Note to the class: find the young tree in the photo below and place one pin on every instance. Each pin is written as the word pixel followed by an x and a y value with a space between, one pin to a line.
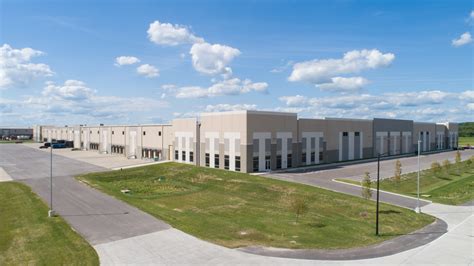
pixel 398 171
pixel 299 206
pixel 457 159
pixel 366 185
pixel 435 168
pixel 446 164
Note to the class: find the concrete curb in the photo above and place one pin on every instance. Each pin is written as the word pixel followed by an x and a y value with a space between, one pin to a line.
pixel 384 191
pixel 139 165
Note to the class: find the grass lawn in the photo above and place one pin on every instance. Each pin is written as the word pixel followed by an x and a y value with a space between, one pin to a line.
pixel 13 141
pixel 452 186
pixel 236 209
pixel 464 141
pixel 29 237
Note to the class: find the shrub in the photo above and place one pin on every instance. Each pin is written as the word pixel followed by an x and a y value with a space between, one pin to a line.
pixel 435 168
pixel 446 164
pixel 457 159
pixel 366 184
pixel 398 171
pixel 299 206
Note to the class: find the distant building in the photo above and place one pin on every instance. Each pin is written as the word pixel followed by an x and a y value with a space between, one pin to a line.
pixel 257 141
pixel 16 133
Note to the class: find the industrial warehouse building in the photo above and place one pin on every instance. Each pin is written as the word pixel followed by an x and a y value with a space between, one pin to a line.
pixel 257 141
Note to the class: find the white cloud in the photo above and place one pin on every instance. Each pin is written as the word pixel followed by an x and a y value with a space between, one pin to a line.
pixel 464 39
pixel 212 58
pixel 294 101
pixel 232 86
pixel 229 107
pixel 71 90
pixel 126 60
pixel 16 68
pixel 171 35
pixel 326 73
pixel 470 106
pixel 467 95
pixel 342 84
pixel 148 71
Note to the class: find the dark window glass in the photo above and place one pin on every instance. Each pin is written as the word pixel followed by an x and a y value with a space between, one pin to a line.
pixel 97 131
pixel 207 159
pixel 176 155
pixel 345 134
pixel 159 133
pixel 278 162
pixel 357 134
pixel 216 160
pixel 183 155
pixel 289 162
pixel 237 163
pixel 191 156
pixel 255 164
pixel 321 156
pixel 144 133
pixel 303 157
pixel 313 157
pixel 226 162
pixel 123 132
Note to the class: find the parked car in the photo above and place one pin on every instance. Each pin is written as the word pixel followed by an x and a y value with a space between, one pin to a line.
pixel 45 145
pixel 59 145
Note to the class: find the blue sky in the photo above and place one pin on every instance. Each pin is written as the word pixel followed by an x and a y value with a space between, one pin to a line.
pixel 362 59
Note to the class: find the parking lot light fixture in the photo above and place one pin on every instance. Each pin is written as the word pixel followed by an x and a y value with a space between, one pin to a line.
pixel 51 211
pixel 418 208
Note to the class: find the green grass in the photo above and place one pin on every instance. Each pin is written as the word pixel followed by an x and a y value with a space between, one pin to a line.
pixel 454 186
pixel 13 141
pixel 29 237
pixel 236 209
pixel 464 141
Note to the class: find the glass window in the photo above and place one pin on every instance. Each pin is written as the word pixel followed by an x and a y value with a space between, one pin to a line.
pixel 357 134
pixel 255 163
pixel 216 160
pixel 303 157
pixel 313 157
pixel 123 132
pixel 183 155
pixel 191 156
pixel 159 133
pixel 278 162
pixel 176 155
pixel 207 159
pixel 112 132
pixel 321 156
pixel 289 162
pixel 345 134
pixel 256 146
pixel 144 133
pixel 237 163
pixel 226 162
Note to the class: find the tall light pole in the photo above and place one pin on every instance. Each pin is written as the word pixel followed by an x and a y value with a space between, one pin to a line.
pixel 418 209
pixel 378 187
pixel 51 211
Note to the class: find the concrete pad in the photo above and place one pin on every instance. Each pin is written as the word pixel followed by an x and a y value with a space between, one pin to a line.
pixel 4 176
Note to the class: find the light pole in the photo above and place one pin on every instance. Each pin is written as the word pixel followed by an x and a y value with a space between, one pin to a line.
pixel 418 209
pixel 51 211
pixel 378 187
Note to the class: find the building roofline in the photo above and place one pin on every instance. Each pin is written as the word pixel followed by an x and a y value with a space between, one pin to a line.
pixel 248 112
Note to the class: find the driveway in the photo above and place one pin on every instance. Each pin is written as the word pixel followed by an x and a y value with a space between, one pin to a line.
pixel 122 234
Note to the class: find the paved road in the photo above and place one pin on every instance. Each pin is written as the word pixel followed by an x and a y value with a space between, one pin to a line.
pixel 324 177
pixel 98 217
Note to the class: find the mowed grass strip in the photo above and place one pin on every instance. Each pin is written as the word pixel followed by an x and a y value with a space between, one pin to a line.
pixel 29 237
pixel 464 141
pixel 236 209
pixel 451 185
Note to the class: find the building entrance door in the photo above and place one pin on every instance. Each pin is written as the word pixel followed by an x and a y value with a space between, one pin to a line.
pixel 267 165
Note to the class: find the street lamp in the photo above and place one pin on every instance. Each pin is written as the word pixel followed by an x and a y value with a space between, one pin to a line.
pixel 418 208
pixel 378 192
pixel 51 211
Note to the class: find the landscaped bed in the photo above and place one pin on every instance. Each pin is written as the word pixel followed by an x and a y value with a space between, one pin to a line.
pixel 448 184
pixel 236 209
pixel 29 237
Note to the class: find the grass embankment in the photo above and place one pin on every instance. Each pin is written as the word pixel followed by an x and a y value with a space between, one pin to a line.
pixel 451 185
pixel 465 141
pixel 237 209
pixel 29 237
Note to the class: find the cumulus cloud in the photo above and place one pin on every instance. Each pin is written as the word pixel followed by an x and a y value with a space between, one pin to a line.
pixel 342 84
pixel 326 73
pixel 16 68
pixel 212 58
pixel 464 39
pixel 148 71
pixel 171 35
pixel 429 105
pixel 70 90
pixel 229 107
pixel 126 60
pixel 232 86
